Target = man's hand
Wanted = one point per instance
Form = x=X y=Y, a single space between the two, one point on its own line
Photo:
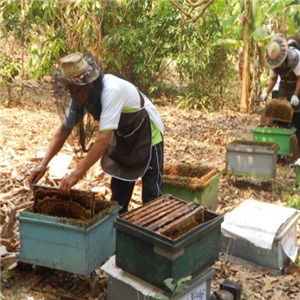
x=294 y=100
x=68 y=182
x=264 y=96
x=37 y=173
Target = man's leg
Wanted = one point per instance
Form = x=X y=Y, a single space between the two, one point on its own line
x=153 y=179
x=121 y=192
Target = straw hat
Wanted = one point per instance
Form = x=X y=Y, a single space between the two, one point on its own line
x=77 y=68
x=276 y=52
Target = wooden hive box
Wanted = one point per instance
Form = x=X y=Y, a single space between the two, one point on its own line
x=198 y=183
x=250 y=158
x=75 y=246
x=143 y=249
x=281 y=136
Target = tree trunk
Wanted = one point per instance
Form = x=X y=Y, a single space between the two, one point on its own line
x=244 y=102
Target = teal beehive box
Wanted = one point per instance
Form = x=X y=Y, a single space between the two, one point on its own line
x=64 y=243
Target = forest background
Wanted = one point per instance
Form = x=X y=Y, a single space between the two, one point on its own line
x=201 y=62
x=205 y=54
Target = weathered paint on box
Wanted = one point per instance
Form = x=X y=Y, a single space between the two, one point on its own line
x=54 y=243
x=208 y=197
x=246 y=160
x=154 y=257
x=281 y=136
x=274 y=258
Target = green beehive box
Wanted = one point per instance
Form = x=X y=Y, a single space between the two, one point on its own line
x=198 y=184
x=154 y=257
x=281 y=136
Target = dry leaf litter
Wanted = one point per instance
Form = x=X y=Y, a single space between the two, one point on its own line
x=191 y=137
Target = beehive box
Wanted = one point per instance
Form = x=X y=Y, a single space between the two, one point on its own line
x=123 y=285
x=248 y=158
x=166 y=238
x=242 y=251
x=64 y=243
x=198 y=184
x=281 y=136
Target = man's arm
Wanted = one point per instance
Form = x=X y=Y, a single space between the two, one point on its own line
x=54 y=147
x=95 y=153
x=272 y=83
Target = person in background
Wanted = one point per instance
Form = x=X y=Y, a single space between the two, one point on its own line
x=130 y=138
x=284 y=61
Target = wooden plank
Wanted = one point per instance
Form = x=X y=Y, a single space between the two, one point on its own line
x=83 y=198
x=147 y=207
x=172 y=216
x=141 y=214
x=158 y=214
x=180 y=225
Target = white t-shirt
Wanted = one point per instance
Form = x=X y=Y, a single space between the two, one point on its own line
x=276 y=86
x=117 y=96
x=120 y=95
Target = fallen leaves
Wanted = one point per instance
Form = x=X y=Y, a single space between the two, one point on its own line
x=190 y=137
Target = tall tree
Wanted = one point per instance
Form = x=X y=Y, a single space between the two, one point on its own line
x=246 y=19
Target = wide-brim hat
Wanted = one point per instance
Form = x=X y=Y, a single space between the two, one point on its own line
x=276 y=51
x=77 y=68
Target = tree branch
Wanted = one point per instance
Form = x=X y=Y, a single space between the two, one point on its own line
x=200 y=14
x=193 y=6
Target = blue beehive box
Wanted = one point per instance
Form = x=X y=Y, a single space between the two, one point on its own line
x=69 y=245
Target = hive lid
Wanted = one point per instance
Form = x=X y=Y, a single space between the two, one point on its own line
x=257 y=222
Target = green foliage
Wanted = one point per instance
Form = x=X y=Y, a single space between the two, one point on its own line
x=175 y=288
x=297 y=262
x=291 y=196
x=289 y=192
x=9 y=67
x=245 y=294
x=144 y=40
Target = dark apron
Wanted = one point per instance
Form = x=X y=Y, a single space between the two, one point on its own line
x=128 y=155
x=288 y=82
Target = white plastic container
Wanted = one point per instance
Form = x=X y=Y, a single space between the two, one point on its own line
x=123 y=285
x=274 y=257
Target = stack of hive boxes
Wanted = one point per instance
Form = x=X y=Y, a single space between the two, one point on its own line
x=165 y=238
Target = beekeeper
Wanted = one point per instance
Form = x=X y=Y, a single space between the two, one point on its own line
x=130 y=138
x=284 y=61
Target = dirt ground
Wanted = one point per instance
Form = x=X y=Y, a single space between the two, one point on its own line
x=190 y=137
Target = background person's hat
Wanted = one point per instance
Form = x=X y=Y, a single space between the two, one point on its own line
x=77 y=68
x=276 y=52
